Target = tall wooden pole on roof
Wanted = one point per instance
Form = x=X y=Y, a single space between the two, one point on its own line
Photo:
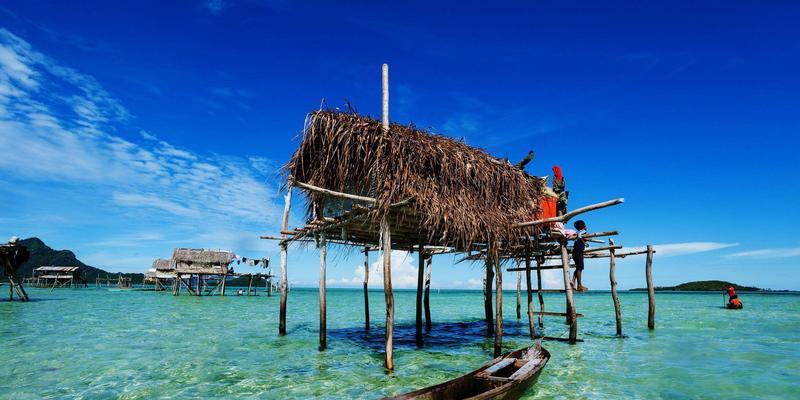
x=420 y=283
x=498 y=335
x=427 y=300
x=572 y=319
x=283 y=246
x=612 y=265
x=651 y=295
x=386 y=243
x=366 y=291
x=323 y=330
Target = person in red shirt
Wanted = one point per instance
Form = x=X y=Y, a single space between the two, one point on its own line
x=732 y=292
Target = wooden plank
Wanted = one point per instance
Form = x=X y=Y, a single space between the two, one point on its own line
x=531 y=364
x=500 y=365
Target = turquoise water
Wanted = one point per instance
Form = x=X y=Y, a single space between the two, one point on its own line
x=101 y=343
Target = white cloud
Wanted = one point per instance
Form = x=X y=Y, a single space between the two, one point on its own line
x=62 y=130
x=68 y=139
x=769 y=253
x=681 y=249
x=404 y=271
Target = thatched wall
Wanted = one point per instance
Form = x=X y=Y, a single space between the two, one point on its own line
x=463 y=195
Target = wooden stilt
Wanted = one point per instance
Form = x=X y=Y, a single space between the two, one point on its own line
x=530 y=292
x=614 y=296
x=540 y=293
x=420 y=283
x=222 y=290
x=427 y=300
x=366 y=290
x=572 y=320
x=651 y=295
x=283 y=247
x=386 y=244
x=249 y=284
x=498 y=336
x=323 y=330
x=487 y=295
x=519 y=290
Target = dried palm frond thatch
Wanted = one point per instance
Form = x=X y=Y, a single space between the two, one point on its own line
x=462 y=194
x=201 y=256
x=163 y=265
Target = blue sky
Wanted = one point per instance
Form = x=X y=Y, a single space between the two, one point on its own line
x=128 y=129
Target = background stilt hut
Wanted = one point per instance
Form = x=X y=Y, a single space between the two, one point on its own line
x=192 y=265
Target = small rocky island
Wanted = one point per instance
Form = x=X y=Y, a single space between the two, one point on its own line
x=705 y=286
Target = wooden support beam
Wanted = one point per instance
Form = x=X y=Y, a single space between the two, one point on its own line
x=604 y=248
x=651 y=294
x=529 y=292
x=614 y=296
x=571 y=318
x=427 y=300
x=599 y=234
x=283 y=247
x=366 y=291
x=386 y=246
x=566 y=217
x=487 y=295
x=333 y=193
x=539 y=293
x=519 y=291
x=420 y=283
x=498 y=334
x=323 y=312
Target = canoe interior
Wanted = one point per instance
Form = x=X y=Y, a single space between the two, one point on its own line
x=505 y=377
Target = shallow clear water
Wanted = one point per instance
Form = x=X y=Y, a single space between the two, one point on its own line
x=101 y=343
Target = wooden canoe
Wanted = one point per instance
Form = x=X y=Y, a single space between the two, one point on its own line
x=505 y=377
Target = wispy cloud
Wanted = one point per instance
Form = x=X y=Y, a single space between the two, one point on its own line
x=682 y=249
x=769 y=253
x=67 y=131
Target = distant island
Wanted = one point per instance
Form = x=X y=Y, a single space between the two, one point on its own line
x=42 y=254
x=707 y=286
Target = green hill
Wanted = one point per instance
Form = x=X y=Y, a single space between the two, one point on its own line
x=704 y=286
x=41 y=254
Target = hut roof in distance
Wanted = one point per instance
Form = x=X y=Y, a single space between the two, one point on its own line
x=202 y=256
x=461 y=193
x=49 y=268
x=163 y=265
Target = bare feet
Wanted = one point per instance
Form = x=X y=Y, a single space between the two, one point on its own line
x=583 y=289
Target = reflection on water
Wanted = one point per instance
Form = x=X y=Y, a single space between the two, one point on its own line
x=96 y=343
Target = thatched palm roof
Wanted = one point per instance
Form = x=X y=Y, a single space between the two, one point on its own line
x=462 y=194
x=163 y=265
x=201 y=256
